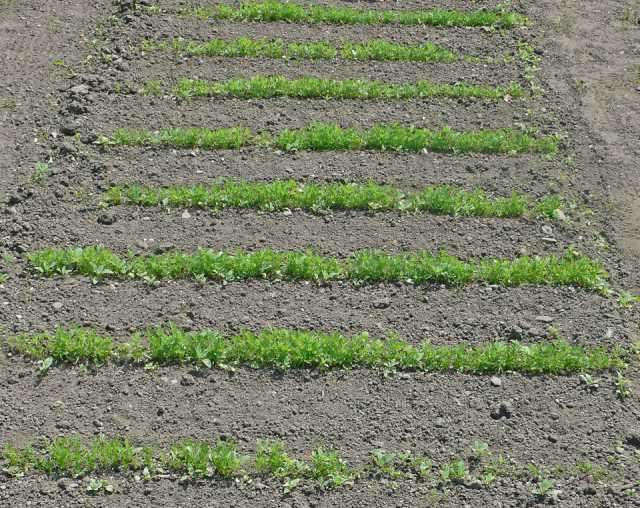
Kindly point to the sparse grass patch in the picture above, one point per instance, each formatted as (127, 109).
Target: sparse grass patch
(296, 13)
(322, 136)
(293, 349)
(40, 172)
(70, 457)
(261, 87)
(200, 459)
(365, 267)
(376, 50)
(281, 195)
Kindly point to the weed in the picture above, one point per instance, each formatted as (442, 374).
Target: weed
(3, 277)
(41, 171)
(321, 136)
(365, 267)
(589, 382)
(279, 11)
(260, 87)
(282, 195)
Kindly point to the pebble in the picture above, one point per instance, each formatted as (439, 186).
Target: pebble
(382, 303)
(187, 380)
(496, 381)
(106, 218)
(504, 409)
(186, 214)
(549, 239)
(544, 319)
(79, 89)
(547, 230)
(57, 305)
(68, 148)
(552, 438)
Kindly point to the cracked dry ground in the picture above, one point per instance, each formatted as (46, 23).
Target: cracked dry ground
(588, 91)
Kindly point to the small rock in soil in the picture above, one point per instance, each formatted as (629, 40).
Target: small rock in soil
(516, 333)
(383, 303)
(68, 149)
(504, 409)
(547, 230)
(544, 319)
(496, 381)
(552, 438)
(70, 127)
(187, 380)
(57, 305)
(79, 90)
(106, 218)
(186, 214)
(633, 438)
(589, 490)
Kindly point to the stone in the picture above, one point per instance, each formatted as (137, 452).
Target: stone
(186, 214)
(57, 305)
(106, 218)
(504, 410)
(187, 380)
(496, 381)
(544, 319)
(80, 89)
(382, 303)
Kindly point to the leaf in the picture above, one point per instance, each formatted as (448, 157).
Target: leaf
(46, 364)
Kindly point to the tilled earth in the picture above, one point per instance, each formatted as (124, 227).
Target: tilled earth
(590, 53)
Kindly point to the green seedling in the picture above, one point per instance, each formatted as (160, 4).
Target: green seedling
(41, 171)
(297, 13)
(96, 486)
(288, 195)
(265, 87)
(322, 136)
(361, 268)
(372, 50)
(623, 386)
(626, 300)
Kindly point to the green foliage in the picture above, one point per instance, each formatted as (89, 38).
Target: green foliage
(281, 195)
(271, 459)
(201, 459)
(364, 267)
(321, 136)
(232, 138)
(292, 349)
(329, 469)
(41, 171)
(67, 346)
(243, 47)
(296, 13)
(69, 456)
(260, 87)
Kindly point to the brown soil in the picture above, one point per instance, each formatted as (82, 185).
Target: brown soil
(589, 70)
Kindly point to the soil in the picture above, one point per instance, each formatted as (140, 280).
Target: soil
(589, 71)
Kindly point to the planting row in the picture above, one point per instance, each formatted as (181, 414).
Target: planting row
(366, 267)
(371, 50)
(263, 87)
(70, 456)
(281, 195)
(322, 136)
(270, 11)
(292, 349)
